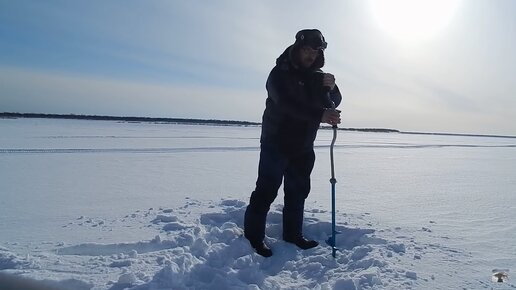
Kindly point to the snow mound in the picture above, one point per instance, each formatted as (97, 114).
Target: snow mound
(203, 247)
(213, 254)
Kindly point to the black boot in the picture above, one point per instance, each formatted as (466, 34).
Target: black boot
(292, 228)
(254, 225)
(301, 242)
(261, 248)
(254, 231)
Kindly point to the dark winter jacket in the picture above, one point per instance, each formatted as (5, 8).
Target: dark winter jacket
(295, 103)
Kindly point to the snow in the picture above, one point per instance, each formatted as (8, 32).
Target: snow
(107, 205)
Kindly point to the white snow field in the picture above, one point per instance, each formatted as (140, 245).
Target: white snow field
(142, 206)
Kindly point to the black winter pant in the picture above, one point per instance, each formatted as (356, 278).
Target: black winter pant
(277, 165)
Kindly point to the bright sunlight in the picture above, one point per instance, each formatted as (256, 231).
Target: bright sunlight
(413, 21)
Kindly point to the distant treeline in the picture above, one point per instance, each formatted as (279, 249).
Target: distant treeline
(376, 130)
(166, 120)
(463, 135)
(127, 119)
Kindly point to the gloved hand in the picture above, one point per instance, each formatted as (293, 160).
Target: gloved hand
(331, 117)
(329, 81)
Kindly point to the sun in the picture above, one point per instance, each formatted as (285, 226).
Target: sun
(413, 21)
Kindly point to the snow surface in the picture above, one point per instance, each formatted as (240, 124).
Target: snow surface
(108, 205)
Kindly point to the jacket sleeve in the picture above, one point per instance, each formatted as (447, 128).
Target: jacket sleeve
(286, 102)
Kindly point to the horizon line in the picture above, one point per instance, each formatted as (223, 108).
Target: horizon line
(71, 116)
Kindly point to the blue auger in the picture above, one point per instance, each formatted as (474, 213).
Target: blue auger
(333, 181)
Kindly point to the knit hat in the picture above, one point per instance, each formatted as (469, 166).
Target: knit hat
(312, 38)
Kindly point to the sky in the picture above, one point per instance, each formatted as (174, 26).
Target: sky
(433, 66)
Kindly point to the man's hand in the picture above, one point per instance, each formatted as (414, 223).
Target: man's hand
(329, 81)
(331, 116)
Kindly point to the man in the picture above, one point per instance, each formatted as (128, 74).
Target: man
(299, 95)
